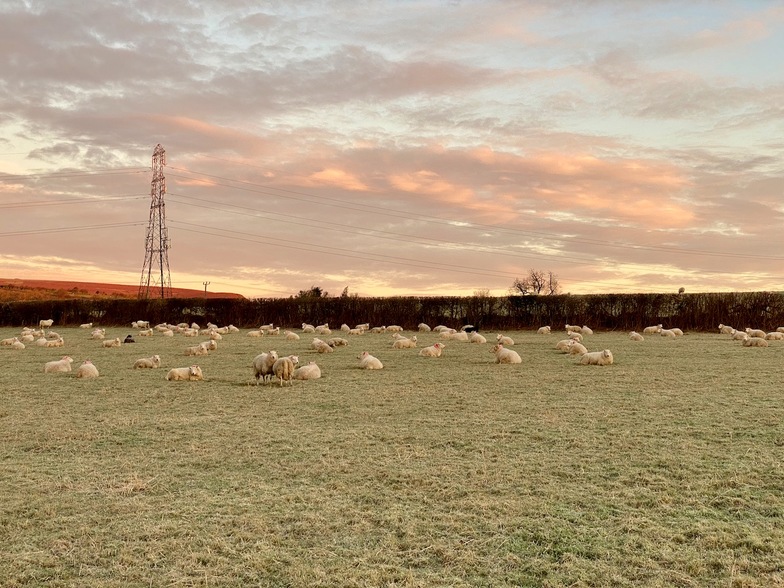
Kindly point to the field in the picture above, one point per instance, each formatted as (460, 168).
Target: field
(664, 469)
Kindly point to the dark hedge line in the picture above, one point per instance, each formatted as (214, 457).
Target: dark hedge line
(696, 312)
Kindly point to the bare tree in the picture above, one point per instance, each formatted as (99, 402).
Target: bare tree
(537, 282)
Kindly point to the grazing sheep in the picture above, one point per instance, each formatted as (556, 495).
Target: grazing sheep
(597, 358)
(775, 336)
(577, 348)
(87, 370)
(423, 328)
(725, 329)
(45, 323)
(755, 333)
(635, 336)
(754, 342)
(503, 355)
(432, 351)
(653, 329)
(86, 326)
(283, 368)
(116, 342)
(262, 365)
(310, 371)
(290, 336)
(369, 362)
(192, 373)
(148, 362)
(404, 343)
(504, 340)
(586, 330)
(543, 330)
(475, 337)
(61, 365)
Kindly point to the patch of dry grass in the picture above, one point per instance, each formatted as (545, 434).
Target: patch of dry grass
(663, 469)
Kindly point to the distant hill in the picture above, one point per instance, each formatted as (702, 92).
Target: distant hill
(14, 290)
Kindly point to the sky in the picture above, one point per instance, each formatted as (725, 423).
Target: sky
(385, 148)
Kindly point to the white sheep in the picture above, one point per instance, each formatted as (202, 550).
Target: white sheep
(573, 328)
(61, 365)
(652, 330)
(310, 371)
(87, 370)
(780, 329)
(738, 335)
(432, 351)
(725, 329)
(667, 333)
(564, 345)
(754, 342)
(45, 323)
(27, 338)
(504, 355)
(597, 358)
(586, 330)
(440, 328)
(262, 365)
(369, 362)
(323, 329)
(344, 328)
(9, 341)
(192, 373)
(446, 333)
(394, 329)
(42, 342)
(307, 328)
(337, 342)
(258, 333)
(283, 368)
(476, 338)
(148, 362)
(377, 330)
(86, 326)
(775, 336)
(504, 340)
(98, 334)
(575, 336)
(635, 336)
(459, 336)
(405, 343)
(290, 336)
(543, 330)
(423, 328)
(55, 343)
(233, 329)
(146, 333)
(140, 325)
(577, 348)
(17, 345)
(356, 332)
(116, 342)
(363, 326)
(677, 331)
(755, 332)
(167, 333)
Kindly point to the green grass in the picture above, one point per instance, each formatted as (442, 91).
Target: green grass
(664, 469)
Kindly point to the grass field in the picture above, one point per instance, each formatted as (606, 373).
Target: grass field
(664, 469)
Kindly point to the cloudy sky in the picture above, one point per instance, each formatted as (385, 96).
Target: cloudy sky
(396, 147)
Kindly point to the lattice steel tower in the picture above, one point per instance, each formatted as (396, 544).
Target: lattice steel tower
(155, 273)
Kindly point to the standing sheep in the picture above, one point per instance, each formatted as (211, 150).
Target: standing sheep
(283, 368)
(262, 365)
(503, 355)
(597, 358)
(191, 373)
(87, 370)
(369, 362)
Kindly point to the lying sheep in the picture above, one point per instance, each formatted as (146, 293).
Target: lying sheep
(394, 329)
(504, 340)
(167, 333)
(677, 331)
(423, 328)
(55, 343)
(98, 334)
(9, 341)
(290, 336)
(86, 326)
(725, 329)
(576, 336)
(321, 346)
(459, 336)
(255, 333)
(475, 337)
(148, 362)
(116, 342)
(755, 333)
(543, 330)
(667, 333)
(306, 328)
(17, 344)
(197, 350)
(344, 328)
(87, 370)
(738, 335)
(564, 345)
(310, 371)
(356, 332)
(573, 328)
(262, 365)
(146, 333)
(775, 336)
(635, 336)
(369, 362)
(652, 330)
(432, 351)
(404, 343)
(597, 358)
(577, 348)
(61, 365)
(755, 342)
(503, 355)
(337, 342)
(586, 330)
(283, 368)
(192, 373)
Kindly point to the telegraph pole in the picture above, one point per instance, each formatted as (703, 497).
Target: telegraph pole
(205, 289)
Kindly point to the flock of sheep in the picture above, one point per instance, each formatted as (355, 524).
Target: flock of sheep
(268, 366)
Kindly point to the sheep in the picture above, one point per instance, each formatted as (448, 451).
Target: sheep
(167, 333)
(573, 328)
(116, 342)
(469, 328)
(197, 350)
(140, 325)
(440, 328)
(87, 370)
(564, 345)
(543, 330)
(191, 373)
(310, 371)
(362, 326)
(597, 358)
(576, 336)
(17, 345)
(459, 336)
(283, 368)
(394, 329)
(306, 328)
(321, 346)
(577, 348)
(98, 334)
(344, 328)
(86, 326)
(446, 333)
(586, 330)
(738, 335)
(45, 323)
(652, 330)
(432, 351)
(780, 329)
(9, 341)
(190, 332)
(60, 365)
(504, 340)
(503, 355)
(635, 336)
(404, 343)
(266, 327)
(323, 329)
(290, 336)
(667, 333)
(146, 333)
(677, 331)
(233, 329)
(476, 338)
(377, 330)
(423, 328)
(27, 338)
(216, 336)
(755, 333)
(262, 365)
(754, 342)
(725, 329)
(148, 362)
(42, 342)
(369, 362)
(53, 335)
(356, 332)
(56, 343)
(258, 333)
(775, 336)
(337, 342)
